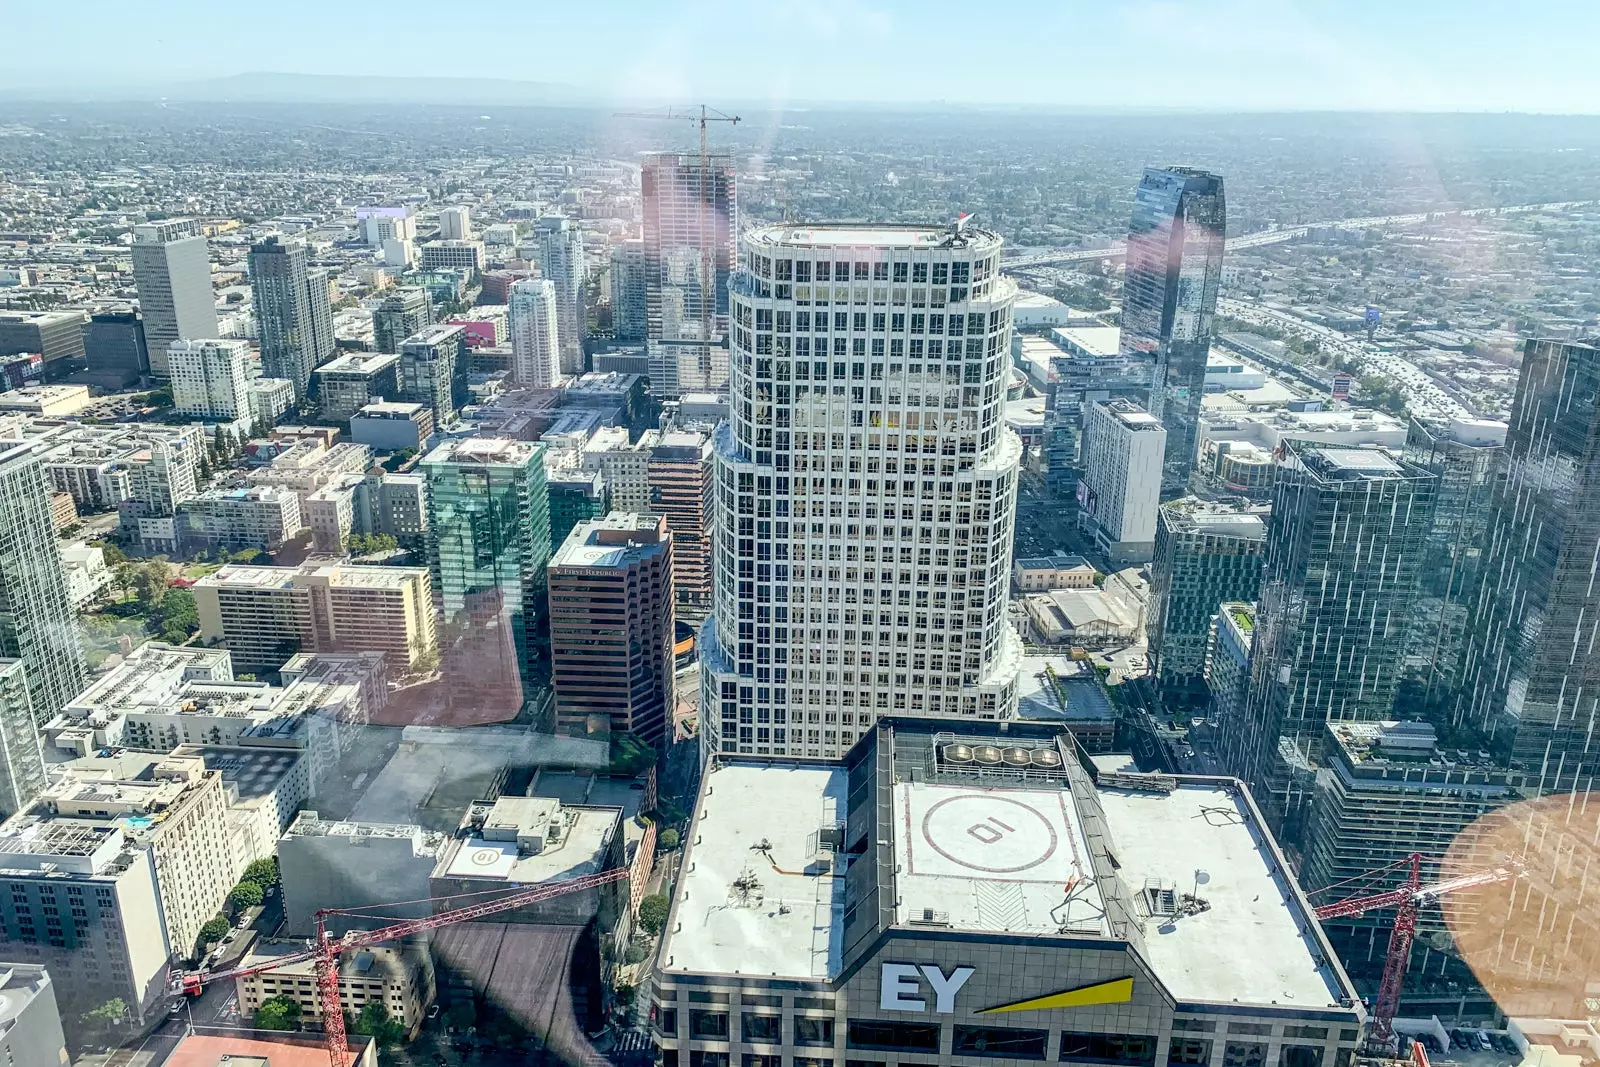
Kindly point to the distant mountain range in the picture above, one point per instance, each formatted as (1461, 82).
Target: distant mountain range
(272, 87)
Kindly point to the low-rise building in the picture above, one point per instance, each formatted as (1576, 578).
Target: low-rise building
(270, 400)
(262, 516)
(46, 401)
(266, 614)
(626, 467)
(1064, 690)
(525, 841)
(264, 1050)
(1087, 617)
(309, 464)
(349, 383)
(390, 427)
(397, 505)
(331, 513)
(354, 866)
(88, 577)
(465, 256)
(400, 977)
(1038, 574)
(971, 891)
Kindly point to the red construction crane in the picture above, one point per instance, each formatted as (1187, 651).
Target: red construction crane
(325, 950)
(1406, 899)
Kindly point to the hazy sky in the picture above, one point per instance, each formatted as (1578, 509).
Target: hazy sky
(1258, 54)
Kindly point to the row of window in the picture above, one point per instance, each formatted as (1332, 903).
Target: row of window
(955, 324)
(995, 1042)
(804, 270)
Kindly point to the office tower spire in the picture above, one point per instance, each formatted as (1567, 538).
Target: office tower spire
(172, 273)
(865, 489)
(293, 314)
(1169, 295)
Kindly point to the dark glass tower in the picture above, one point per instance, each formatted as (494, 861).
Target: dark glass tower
(1343, 552)
(1530, 667)
(1169, 296)
(293, 314)
(1206, 554)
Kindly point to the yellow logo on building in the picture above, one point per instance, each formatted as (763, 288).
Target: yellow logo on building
(1116, 991)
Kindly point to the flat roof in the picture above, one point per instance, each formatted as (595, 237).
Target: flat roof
(205, 1050)
(879, 236)
(757, 896)
(786, 922)
(1248, 945)
(1094, 340)
(1010, 883)
(579, 852)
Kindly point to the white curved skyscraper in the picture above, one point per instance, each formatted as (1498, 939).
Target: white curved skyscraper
(533, 323)
(865, 489)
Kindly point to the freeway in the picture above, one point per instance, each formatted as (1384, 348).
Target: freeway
(1424, 396)
(1117, 249)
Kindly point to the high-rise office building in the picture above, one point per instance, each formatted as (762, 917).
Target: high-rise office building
(576, 494)
(489, 545)
(611, 628)
(535, 333)
(55, 336)
(866, 489)
(679, 475)
(293, 314)
(1529, 668)
(172, 273)
(1169, 296)
(22, 776)
(37, 624)
(685, 211)
(209, 378)
(455, 223)
(402, 313)
(1344, 547)
(628, 286)
(1206, 554)
(1120, 491)
(561, 262)
(1464, 455)
(433, 370)
(115, 347)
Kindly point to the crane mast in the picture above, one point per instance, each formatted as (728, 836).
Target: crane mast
(1406, 899)
(326, 949)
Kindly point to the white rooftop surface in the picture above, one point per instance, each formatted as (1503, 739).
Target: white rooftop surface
(869, 236)
(578, 853)
(1270, 393)
(715, 927)
(1095, 340)
(994, 859)
(1248, 946)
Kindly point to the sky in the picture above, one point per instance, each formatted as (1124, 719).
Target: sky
(1434, 55)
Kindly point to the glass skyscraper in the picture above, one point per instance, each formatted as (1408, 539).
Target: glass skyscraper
(865, 489)
(489, 546)
(37, 623)
(1344, 547)
(1169, 296)
(1530, 672)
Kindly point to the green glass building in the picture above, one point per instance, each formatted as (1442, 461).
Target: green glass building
(489, 545)
(576, 496)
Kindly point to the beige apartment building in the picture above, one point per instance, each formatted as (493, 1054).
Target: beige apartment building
(264, 615)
